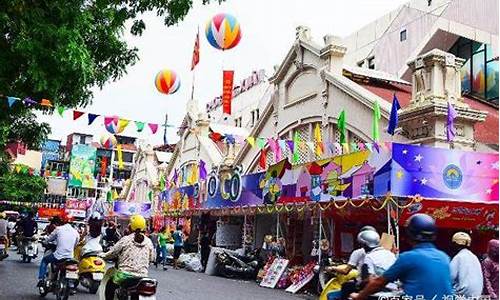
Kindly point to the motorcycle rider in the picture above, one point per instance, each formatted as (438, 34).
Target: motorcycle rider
(134, 253)
(111, 233)
(424, 270)
(357, 257)
(466, 273)
(66, 238)
(4, 228)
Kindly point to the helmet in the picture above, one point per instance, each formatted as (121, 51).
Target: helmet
(461, 238)
(3, 215)
(367, 227)
(421, 228)
(369, 238)
(137, 222)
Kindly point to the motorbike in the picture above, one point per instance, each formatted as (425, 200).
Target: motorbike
(137, 289)
(91, 266)
(237, 266)
(61, 280)
(3, 248)
(106, 245)
(29, 248)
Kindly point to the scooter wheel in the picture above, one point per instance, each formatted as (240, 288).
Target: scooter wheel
(43, 292)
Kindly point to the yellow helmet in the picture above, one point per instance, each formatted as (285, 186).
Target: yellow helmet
(3, 215)
(137, 222)
(461, 238)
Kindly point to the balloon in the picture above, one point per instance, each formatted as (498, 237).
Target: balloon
(223, 31)
(114, 125)
(108, 141)
(167, 82)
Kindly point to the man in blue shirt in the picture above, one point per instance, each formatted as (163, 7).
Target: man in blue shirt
(178, 244)
(424, 270)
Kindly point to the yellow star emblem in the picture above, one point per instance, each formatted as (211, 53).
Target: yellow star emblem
(399, 174)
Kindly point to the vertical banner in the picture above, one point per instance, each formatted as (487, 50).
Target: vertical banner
(104, 166)
(120, 156)
(227, 91)
(82, 166)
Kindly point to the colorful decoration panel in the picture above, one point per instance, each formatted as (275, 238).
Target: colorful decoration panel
(82, 166)
(131, 208)
(437, 173)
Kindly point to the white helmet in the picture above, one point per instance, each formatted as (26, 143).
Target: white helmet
(461, 238)
(369, 238)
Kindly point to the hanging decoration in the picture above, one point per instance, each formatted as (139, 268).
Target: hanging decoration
(108, 141)
(104, 166)
(114, 124)
(77, 114)
(167, 82)
(223, 31)
(119, 153)
(227, 91)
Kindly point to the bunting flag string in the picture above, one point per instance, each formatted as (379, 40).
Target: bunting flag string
(76, 114)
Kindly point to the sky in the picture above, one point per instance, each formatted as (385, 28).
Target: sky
(268, 31)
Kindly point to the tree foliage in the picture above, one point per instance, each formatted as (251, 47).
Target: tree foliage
(60, 49)
(21, 187)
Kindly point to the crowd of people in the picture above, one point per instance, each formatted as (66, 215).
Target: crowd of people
(424, 271)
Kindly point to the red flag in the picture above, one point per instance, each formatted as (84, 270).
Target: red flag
(227, 91)
(263, 158)
(77, 114)
(196, 51)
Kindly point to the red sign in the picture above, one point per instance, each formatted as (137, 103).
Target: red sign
(456, 214)
(44, 212)
(227, 91)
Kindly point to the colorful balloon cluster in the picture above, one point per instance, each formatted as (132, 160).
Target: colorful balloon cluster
(167, 82)
(223, 31)
(108, 141)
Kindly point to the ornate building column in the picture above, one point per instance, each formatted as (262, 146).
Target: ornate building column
(436, 81)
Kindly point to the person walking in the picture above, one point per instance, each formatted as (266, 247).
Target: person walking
(424, 270)
(490, 270)
(163, 238)
(465, 268)
(178, 236)
(204, 249)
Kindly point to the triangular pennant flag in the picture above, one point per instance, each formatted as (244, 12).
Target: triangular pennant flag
(60, 110)
(203, 170)
(92, 118)
(139, 125)
(318, 140)
(331, 147)
(12, 100)
(361, 146)
(251, 141)
(18, 168)
(354, 147)
(296, 146)
(341, 125)
(29, 102)
(261, 143)
(46, 102)
(376, 118)
(376, 147)
(115, 194)
(282, 144)
(369, 147)
(122, 124)
(345, 148)
(290, 145)
(311, 146)
(153, 127)
(263, 158)
(77, 114)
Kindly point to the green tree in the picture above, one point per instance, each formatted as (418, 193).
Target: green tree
(21, 187)
(60, 49)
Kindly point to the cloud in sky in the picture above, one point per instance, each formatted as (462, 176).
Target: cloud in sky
(268, 30)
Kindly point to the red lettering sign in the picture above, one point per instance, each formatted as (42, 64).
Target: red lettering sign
(227, 91)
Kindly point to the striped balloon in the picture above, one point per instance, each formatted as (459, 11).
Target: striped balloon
(108, 141)
(223, 31)
(167, 82)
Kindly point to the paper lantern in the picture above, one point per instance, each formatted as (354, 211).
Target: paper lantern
(167, 82)
(223, 31)
(108, 141)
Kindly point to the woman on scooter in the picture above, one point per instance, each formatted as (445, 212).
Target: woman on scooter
(134, 253)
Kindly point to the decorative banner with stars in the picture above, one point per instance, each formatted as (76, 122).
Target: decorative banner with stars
(437, 173)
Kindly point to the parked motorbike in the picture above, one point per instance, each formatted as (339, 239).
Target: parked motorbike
(137, 289)
(237, 266)
(91, 266)
(29, 248)
(3, 248)
(61, 280)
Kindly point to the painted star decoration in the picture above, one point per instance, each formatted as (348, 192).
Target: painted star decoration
(494, 165)
(423, 181)
(405, 151)
(399, 174)
(489, 191)
(418, 157)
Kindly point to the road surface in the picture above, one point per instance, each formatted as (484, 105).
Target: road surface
(18, 281)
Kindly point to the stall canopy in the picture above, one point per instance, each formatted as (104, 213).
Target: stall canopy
(402, 171)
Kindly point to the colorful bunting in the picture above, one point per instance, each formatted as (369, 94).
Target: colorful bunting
(12, 100)
(153, 127)
(60, 110)
(251, 141)
(92, 118)
(123, 123)
(46, 102)
(450, 122)
(393, 119)
(263, 158)
(261, 143)
(139, 125)
(376, 119)
(296, 142)
(318, 140)
(77, 114)
(341, 126)
(196, 51)
(203, 170)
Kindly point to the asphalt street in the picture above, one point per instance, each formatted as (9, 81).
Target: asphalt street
(18, 281)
